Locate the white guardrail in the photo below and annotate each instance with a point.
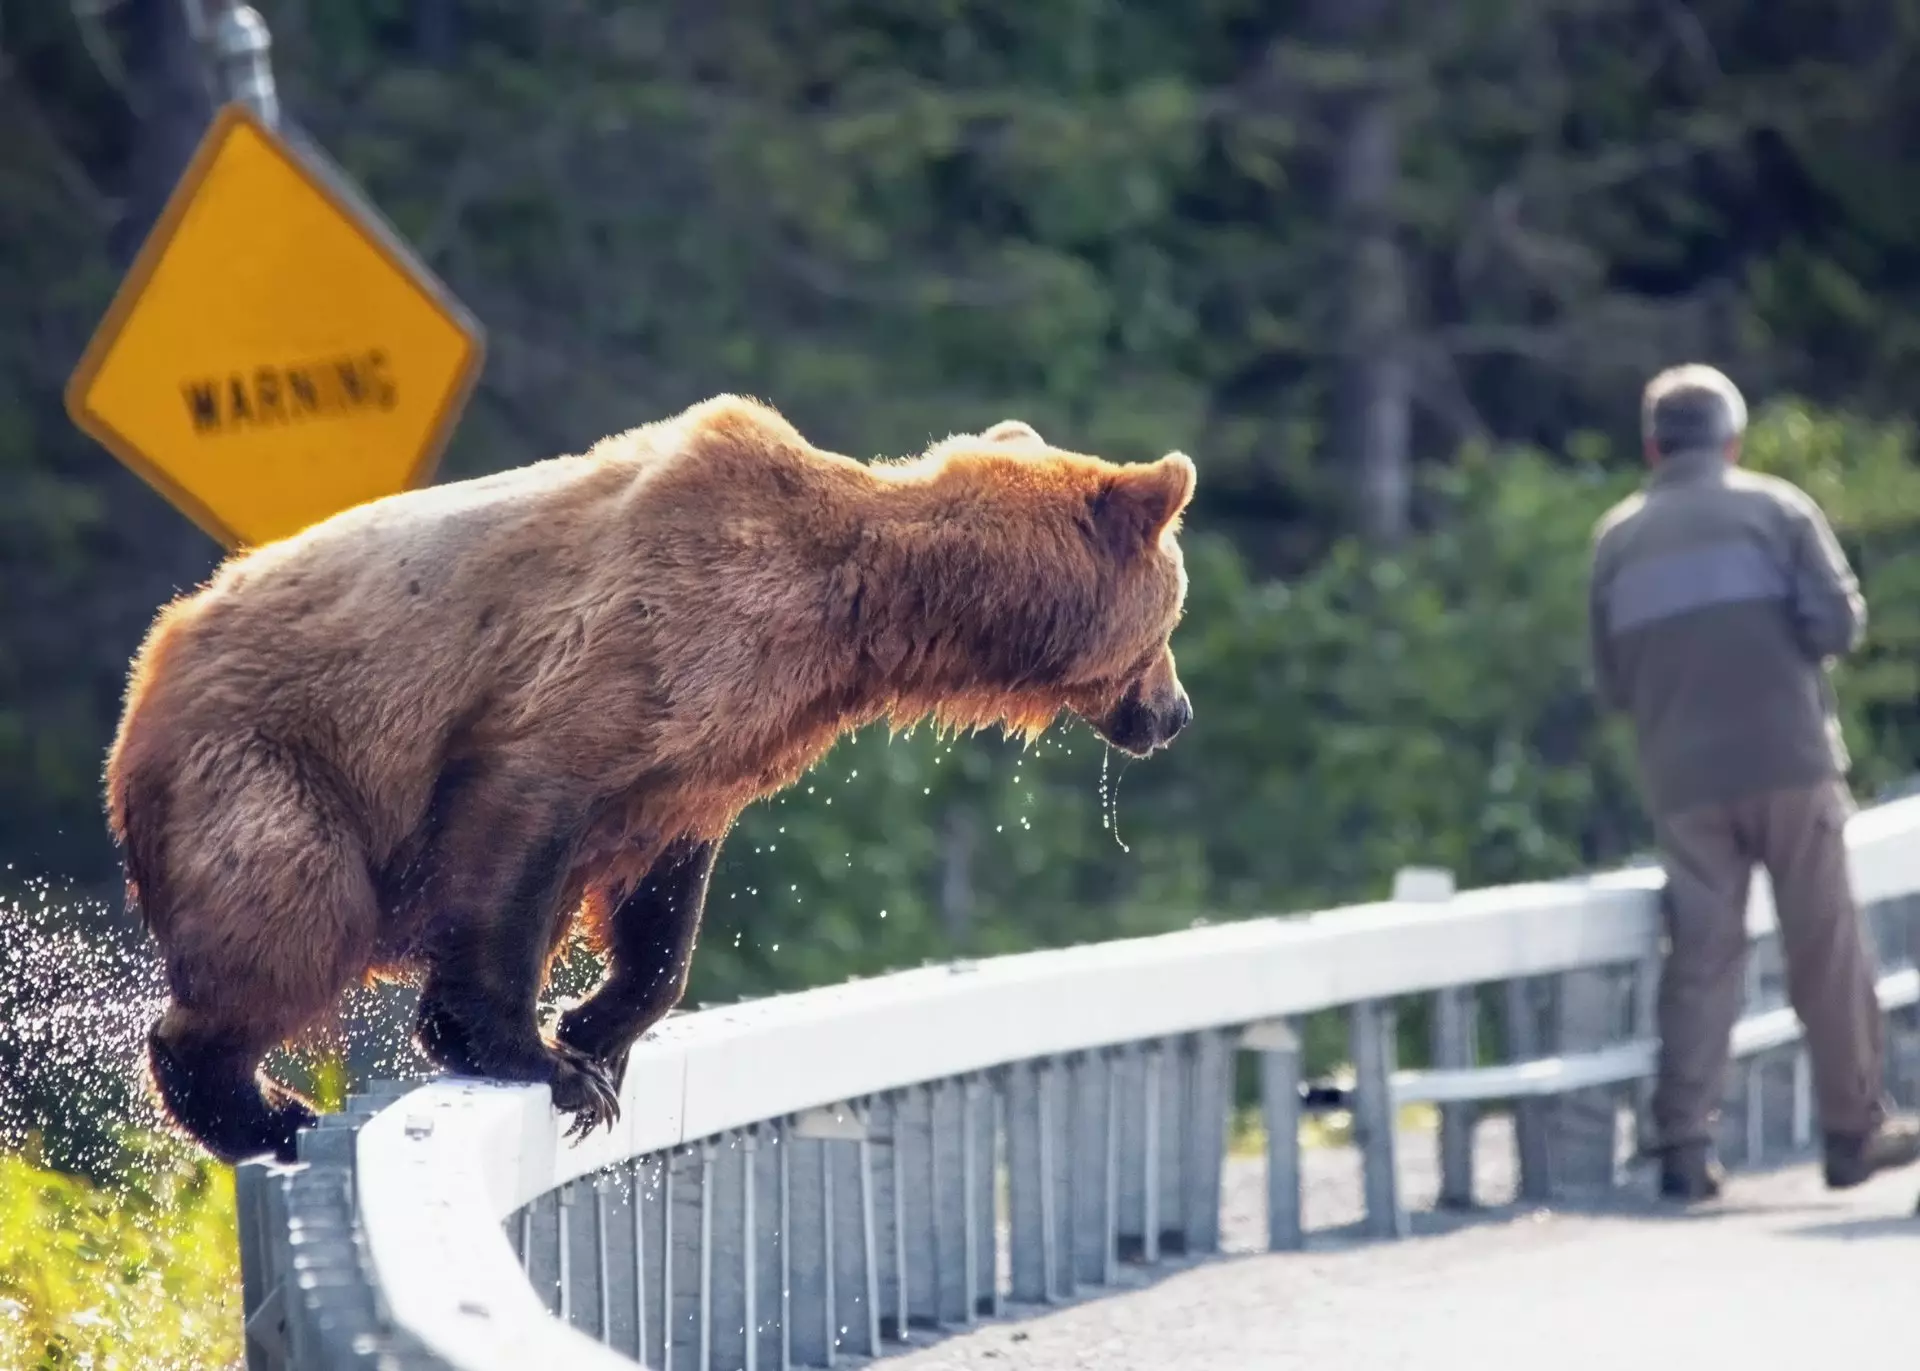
(819, 1175)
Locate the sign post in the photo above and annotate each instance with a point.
(240, 44)
(276, 352)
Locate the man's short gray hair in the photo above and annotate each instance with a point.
(1691, 408)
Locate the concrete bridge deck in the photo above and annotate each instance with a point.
(1780, 1272)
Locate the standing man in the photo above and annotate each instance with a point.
(1718, 599)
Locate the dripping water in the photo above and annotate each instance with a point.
(1110, 799)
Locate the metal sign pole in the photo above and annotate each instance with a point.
(240, 44)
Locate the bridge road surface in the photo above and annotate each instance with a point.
(1780, 1272)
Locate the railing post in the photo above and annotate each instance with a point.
(1372, 1030)
(1456, 1046)
(889, 1218)
(1209, 1080)
(687, 1212)
(1585, 1123)
(1110, 1169)
(543, 1248)
(1770, 1076)
(1030, 1188)
(1530, 1119)
(263, 1277)
(1151, 1163)
(1455, 1043)
(811, 1255)
(1738, 1108)
(989, 1150)
(1646, 1028)
(726, 1251)
(1131, 1170)
(947, 1216)
(1056, 1176)
(1278, 1043)
(1090, 1168)
(1904, 1040)
(783, 1191)
(332, 1310)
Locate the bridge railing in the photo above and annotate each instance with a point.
(828, 1174)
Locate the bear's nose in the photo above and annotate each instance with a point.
(1181, 716)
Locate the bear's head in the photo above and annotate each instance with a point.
(1097, 583)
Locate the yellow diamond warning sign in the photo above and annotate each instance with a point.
(276, 353)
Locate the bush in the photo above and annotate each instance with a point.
(1428, 706)
(140, 1274)
(1432, 705)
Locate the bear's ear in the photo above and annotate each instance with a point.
(1013, 431)
(1132, 508)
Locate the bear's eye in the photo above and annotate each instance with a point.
(1087, 520)
(1094, 507)
(1104, 522)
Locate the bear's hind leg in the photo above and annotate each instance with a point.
(210, 1080)
(501, 862)
(273, 917)
(652, 934)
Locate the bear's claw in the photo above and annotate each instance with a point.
(581, 1087)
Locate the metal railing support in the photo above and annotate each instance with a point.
(1525, 1041)
(1375, 1128)
(1583, 1125)
(1278, 1044)
(834, 1225)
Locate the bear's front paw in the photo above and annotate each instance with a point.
(578, 1038)
(615, 1065)
(581, 1087)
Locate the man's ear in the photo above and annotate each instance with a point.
(1133, 508)
(1013, 431)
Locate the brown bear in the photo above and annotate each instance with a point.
(418, 737)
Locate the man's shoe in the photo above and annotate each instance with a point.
(1852, 1157)
(1690, 1174)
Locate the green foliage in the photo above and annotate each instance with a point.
(1418, 707)
(1114, 221)
(1866, 477)
(1430, 706)
(137, 1274)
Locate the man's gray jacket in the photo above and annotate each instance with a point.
(1718, 597)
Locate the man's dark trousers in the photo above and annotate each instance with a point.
(1709, 852)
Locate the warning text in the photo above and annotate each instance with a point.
(328, 388)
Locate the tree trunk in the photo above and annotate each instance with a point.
(1372, 399)
(436, 32)
(154, 549)
(169, 90)
(956, 874)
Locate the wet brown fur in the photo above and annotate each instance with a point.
(355, 747)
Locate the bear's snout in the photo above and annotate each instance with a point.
(1145, 720)
(1181, 716)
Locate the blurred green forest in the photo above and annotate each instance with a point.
(1392, 273)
